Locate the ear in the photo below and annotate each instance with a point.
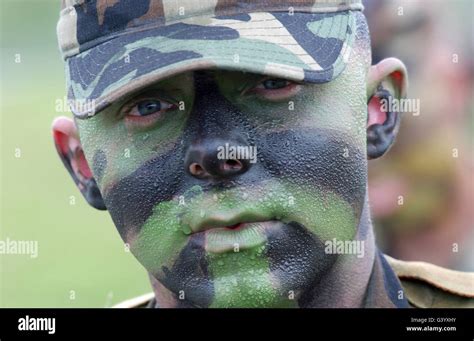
(387, 81)
(71, 153)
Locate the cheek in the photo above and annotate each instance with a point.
(102, 161)
(114, 151)
(159, 241)
(118, 159)
(132, 199)
(328, 159)
(341, 105)
(327, 172)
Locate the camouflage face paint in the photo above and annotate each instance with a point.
(307, 187)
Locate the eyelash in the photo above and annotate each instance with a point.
(290, 90)
(144, 121)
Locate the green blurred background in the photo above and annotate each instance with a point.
(81, 259)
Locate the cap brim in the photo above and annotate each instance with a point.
(304, 47)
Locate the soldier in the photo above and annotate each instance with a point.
(160, 88)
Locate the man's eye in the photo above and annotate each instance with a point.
(149, 107)
(276, 89)
(273, 84)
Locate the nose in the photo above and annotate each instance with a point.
(208, 159)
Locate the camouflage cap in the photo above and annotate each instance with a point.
(114, 47)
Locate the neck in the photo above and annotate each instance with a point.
(365, 281)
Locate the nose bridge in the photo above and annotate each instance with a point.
(212, 113)
(214, 123)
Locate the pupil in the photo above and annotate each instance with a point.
(274, 83)
(148, 107)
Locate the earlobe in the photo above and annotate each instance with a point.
(71, 154)
(387, 83)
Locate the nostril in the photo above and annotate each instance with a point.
(196, 169)
(232, 165)
(216, 159)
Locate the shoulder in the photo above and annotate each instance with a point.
(143, 301)
(430, 286)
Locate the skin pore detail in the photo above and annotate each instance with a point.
(210, 237)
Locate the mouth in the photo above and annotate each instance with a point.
(238, 237)
(235, 226)
(233, 231)
(230, 220)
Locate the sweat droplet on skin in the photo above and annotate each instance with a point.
(187, 229)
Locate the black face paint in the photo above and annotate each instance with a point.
(316, 157)
(131, 201)
(189, 276)
(99, 164)
(297, 260)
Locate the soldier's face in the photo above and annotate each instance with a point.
(236, 229)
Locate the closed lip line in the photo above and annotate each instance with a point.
(222, 220)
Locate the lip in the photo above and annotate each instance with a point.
(226, 220)
(247, 235)
(232, 230)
